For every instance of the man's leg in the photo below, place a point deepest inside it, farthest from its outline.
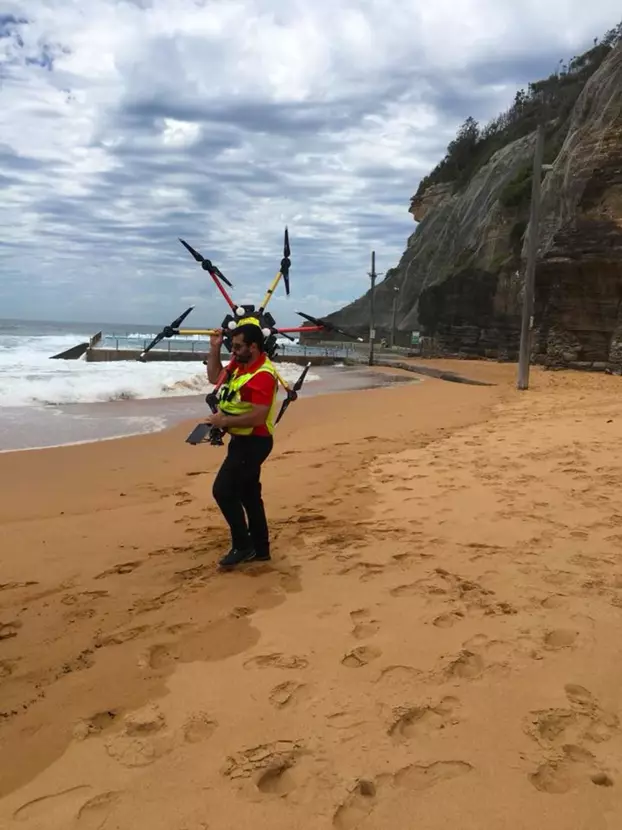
(252, 500)
(227, 495)
(250, 452)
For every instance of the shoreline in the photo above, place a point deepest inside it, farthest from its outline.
(175, 409)
(445, 568)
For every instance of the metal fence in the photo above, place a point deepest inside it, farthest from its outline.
(123, 342)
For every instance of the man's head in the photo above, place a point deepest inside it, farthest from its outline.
(247, 343)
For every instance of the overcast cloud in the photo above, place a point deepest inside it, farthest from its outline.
(125, 124)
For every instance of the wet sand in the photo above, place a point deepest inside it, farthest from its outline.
(439, 635)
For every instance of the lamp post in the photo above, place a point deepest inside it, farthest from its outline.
(372, 332)
(524, 357)
(394, 315)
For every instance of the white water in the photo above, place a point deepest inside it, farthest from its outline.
(29, 378)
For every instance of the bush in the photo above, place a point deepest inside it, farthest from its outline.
(517, 192)
(550, 100)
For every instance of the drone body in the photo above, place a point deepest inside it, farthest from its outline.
(240, 315)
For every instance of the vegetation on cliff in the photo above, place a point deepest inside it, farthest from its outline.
(550, 100)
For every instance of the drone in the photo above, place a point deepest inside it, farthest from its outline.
(240, 315)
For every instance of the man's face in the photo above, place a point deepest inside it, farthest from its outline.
(242, 352)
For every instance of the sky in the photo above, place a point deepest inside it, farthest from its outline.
(125, 124)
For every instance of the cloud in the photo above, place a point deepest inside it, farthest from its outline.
(126, 124)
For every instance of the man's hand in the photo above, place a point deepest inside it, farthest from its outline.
(254, 418)
(214, 366)
(217, 419)
(215, 340)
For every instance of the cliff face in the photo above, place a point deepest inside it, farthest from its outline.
(460, 278)
(578, 311)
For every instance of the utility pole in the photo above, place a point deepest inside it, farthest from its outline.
(530, 270)
(372, 331)
(394, 317)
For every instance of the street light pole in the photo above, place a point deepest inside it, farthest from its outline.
(530, 270)
(372, 332)
(393, 319)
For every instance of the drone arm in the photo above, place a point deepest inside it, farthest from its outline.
(283, 272)
(281, 380)
(198, 332)
(223, 291)
(271, 289)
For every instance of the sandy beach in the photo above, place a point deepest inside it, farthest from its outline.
(437, 642)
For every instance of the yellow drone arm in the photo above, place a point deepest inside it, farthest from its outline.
(281, 380)
(271, 289)
(199, 332)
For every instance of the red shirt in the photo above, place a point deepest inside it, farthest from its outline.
(258, 390)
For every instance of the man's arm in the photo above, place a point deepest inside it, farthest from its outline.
(214, 363)
(258, 392)
(254, 418)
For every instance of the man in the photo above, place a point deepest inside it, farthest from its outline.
(246, 411)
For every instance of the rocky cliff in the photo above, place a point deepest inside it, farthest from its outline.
(460, 279)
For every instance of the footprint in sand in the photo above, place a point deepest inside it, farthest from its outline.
(123, 568)
(397, 680)
(11, 586)
(364, 625)
(448, 620)
(269, 765)
(560, 638)
(576, 766)
(278, 779)
(360, 656)
(93, 814)
(367, 793)
(584, 720)
(553, 601)
(348, 720)
(7, 667)
(411, 721)
(288, 694)
(357, 806)
(119, 637)
(199, 727)
(143, 740)
(276, 661)
(95, 725)
(56, 808)
(9, 630)
(467, 665)
(158, 656)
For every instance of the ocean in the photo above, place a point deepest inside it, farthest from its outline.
(46, 402)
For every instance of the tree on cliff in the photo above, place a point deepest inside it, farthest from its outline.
(552, 98)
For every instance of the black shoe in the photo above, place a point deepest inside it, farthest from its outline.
(237, 556)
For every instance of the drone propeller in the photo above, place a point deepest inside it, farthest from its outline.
(206, 264)
(167, 331)
(286, 262)
(284, 267)
(324, 324)
(292, 394)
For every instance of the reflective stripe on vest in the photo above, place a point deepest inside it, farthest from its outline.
(231, 403)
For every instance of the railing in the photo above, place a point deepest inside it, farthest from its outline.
(122, 342)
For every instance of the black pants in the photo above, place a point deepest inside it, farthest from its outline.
(237, 490)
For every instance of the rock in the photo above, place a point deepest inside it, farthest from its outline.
(460, 279)
(579, 271)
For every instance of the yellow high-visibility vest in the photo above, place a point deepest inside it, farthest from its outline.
(231, 403)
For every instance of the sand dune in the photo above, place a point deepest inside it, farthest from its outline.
(436, 644)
